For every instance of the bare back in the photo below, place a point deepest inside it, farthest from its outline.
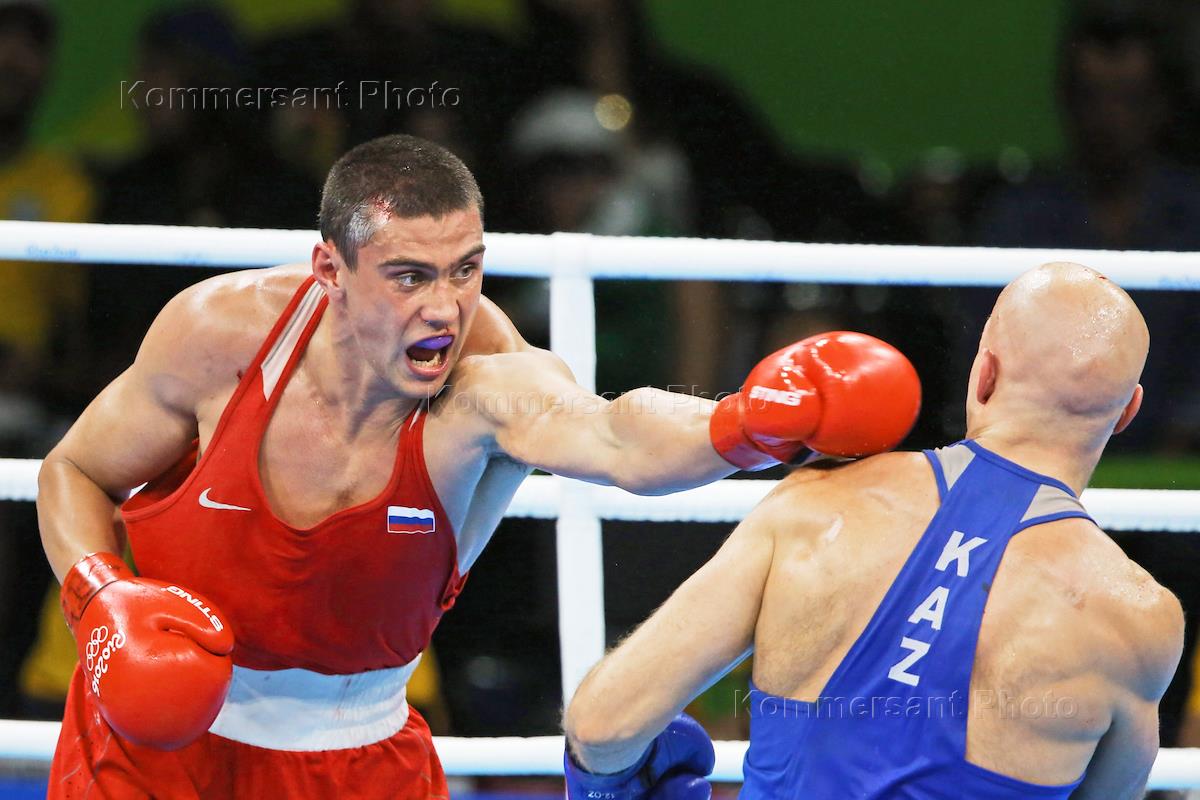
(1052, 668)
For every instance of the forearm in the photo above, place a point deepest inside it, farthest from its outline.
(702, 631)
(75, 515)
(611, 721)
(662, 442)
(628, 698)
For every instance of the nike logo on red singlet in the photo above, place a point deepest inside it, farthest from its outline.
(206, 503)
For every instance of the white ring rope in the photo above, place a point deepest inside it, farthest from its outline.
(570, 261)
(540, 497)
(532, 255)
(1175, 768)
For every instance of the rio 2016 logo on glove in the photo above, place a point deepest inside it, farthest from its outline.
(100, 649)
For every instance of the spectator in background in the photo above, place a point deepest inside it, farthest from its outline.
(582, 170)
(35, 184)
(737, 164)
(41, 309)
(204, 162)
(1118, 190)
(933, 205)
(394, 61)
(744, 184)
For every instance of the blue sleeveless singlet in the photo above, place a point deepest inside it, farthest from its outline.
(892, 720)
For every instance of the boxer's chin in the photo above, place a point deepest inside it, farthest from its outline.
(421, 384)
(419, 389)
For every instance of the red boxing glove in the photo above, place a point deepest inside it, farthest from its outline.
(155, 656)
(839, 393)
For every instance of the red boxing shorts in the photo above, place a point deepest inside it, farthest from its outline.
(93, 762)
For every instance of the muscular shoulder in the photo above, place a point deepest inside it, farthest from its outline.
(496, 357)
(861, 500)
(493, 387)
(887, 483)
(1130, 625)
(207, 334)
(522, 369)
(854, 474)
(1145, 616)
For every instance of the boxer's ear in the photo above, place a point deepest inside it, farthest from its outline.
(989, 371)
(328, 267)
(1131, 410)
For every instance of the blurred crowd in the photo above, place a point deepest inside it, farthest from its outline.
(584, 123)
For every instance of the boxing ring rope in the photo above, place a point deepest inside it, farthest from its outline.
(571, 262)
(541, 497)
(542, 755)
(540, 256)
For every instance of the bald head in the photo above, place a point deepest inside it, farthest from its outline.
(1064, 342)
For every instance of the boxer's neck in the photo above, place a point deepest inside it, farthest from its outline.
(352, 393)
(1043, 452)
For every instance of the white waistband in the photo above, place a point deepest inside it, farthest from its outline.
(295, 709)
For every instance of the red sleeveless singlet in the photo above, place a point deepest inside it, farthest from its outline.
(361, 590)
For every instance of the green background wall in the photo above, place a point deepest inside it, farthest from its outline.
(889, 79)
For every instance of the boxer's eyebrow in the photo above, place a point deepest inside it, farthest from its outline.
(474, 251)
(406, 261)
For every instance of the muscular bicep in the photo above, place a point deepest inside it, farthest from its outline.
(646, 441)
(131, 432)
(540, 417)
(135, 429)
(1121, 764)
(145, 420)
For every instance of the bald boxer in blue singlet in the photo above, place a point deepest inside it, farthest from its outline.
(947, 624)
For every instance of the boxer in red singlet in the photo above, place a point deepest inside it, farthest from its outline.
(327, 448)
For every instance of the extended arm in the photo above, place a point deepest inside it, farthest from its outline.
(705, 628)
(646, 441)
(839, 393)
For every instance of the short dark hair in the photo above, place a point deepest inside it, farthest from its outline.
(399, 175)
(1110, 26)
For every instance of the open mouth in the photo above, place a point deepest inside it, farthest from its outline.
(429, 355)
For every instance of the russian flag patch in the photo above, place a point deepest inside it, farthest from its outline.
(402, 519)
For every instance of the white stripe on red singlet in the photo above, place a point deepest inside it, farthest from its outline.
(281, 350)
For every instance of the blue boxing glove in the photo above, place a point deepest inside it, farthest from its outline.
(672, 768)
